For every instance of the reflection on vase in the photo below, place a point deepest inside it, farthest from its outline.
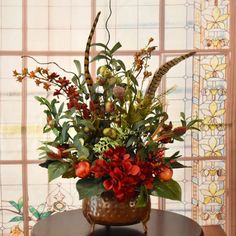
(106, 210)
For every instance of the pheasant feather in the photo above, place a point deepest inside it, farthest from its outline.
(88, 77)
(150, 93)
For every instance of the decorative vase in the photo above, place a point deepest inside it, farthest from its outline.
(106, 210)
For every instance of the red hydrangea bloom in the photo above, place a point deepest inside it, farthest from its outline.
(121, 173)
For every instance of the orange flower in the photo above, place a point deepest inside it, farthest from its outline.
(15, 73)
(32, 74)
(38, 82)
(46, 86)
(19, 78)
(24, 71)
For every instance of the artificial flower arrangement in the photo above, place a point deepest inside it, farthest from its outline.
(110, 133)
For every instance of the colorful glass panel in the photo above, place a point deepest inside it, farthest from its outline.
(209, 102)
(197, 24)
(11, 204)
(211, 24)
(203, 187)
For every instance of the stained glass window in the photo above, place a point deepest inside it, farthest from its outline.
(57, 30)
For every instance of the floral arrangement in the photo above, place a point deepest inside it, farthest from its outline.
(110, 133)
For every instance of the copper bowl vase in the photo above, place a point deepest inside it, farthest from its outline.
(106, 210)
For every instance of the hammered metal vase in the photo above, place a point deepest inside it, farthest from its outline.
(106, 210)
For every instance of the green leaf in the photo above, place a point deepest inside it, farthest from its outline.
(70, 173)
(20, 203)
(142, 197)
(140, 123)
(76, 141)
(44, 148)
(194, 128)
(183, 122)
(55, 131)
(191, 123)
(64, 132)
(182, 114)
(43, 101)
(83, 151)
(132, 78)
(57, 169)
(99, 57)
(46, 129)
(39, 99)
(116, 47)
(89, 187)
(122, 64)
(100, 45)
(60, 109)
(85, 123)
(17, 219)
(178, 138)
(173, 156)
(106, 53)
(53, 107)
(176, 165)
(34, 212)
(131, 140)
(75, 80)
(78, 66)
(46, 163)
(45, 214)
(170, 190)
(15, 205)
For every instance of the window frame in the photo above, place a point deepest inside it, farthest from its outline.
(162, 53)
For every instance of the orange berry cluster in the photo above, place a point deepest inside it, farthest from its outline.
(141, 57)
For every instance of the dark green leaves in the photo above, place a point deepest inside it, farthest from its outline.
(81, 150)
(44, 215)
(39, 214)
(170, 190)
(85, 123)
(57, 169)
(17, 205)
(122, 64)
(115, 47)
(176, 165)
(142, 197)
(34, 212)
(99, 57)
(17, 219)
(89, 187)
(64, 132)
(78, 67)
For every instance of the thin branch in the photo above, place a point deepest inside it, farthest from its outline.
(15, 212)
(51, 62)
(106, 27)
(106, 24)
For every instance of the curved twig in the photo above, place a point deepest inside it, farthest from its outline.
(49, 63)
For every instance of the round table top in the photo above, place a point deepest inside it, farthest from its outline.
(73, 223)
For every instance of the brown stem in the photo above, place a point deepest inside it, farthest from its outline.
(15, 212)
(51, 62)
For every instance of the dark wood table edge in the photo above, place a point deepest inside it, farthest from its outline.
(152, 212)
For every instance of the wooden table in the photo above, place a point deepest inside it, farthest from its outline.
(161, 223)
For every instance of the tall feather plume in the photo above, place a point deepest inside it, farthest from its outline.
(88, 78)
(150, 92)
